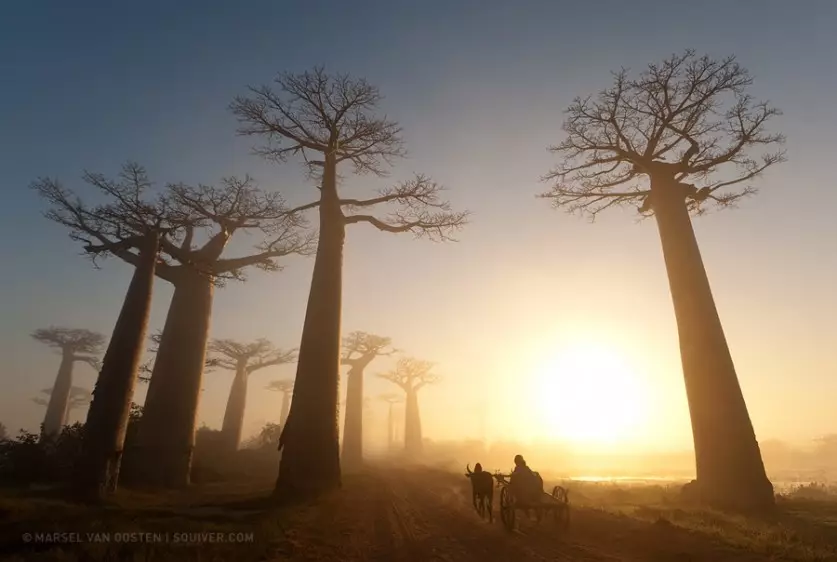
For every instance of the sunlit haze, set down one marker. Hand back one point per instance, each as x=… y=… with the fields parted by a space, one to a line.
x=545 y=328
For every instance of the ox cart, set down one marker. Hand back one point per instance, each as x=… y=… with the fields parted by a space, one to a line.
x=557 y=503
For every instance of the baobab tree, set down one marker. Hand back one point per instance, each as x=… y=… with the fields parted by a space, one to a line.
x=78 y=398
x=330 y=121
x=147 y=366
x=206 y=218
x=679 y=137
x=412 y=375
x=391 y=400
x=359 y=350
x=244 y=360
x=74 y=345
x=133 y=218
x=167 y=432
x=286 y=387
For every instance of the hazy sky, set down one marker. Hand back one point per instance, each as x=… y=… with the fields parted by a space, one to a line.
x=479 y=88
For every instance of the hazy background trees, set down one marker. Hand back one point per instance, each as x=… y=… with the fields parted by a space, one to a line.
x=391 y=400
x=359 y=350
x=681 y=135
x=286 y=388
x=243 y=359
x=79 y=397
x=74 y=345
x=411 y=375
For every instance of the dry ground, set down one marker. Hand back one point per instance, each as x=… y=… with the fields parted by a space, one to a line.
x=400 y=515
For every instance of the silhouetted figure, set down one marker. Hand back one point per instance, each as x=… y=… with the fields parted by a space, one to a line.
x=526 y=485
x=482 y=490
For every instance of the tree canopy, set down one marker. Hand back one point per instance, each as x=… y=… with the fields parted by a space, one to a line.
x=690 y=115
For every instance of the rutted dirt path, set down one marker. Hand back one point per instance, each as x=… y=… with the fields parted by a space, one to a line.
x=411 y=515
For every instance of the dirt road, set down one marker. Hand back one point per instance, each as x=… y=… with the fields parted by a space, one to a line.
x=407 y=515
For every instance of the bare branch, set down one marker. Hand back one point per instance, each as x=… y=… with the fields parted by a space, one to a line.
x=118 y=227
x=78 y=398
x=685 y=118
x=411 y=374
x=360 y=348
x=238 y=204
x=315 y=111
x=391 y=398
x=71 y=340
x=281 y=385
x=232 y=355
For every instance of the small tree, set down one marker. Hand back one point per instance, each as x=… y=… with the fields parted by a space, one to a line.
x=330 y=120
x=244 y=359
x=73 y=345
x=286 y=387
x=412 y=375
x=79 y=397
x=359 y=349
x=4 y=435
x=391 y=400
x=680 y=136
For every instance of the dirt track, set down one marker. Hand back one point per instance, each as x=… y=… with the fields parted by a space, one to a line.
x=408 y=515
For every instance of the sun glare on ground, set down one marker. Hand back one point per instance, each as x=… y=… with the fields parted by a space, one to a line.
x=589 y=394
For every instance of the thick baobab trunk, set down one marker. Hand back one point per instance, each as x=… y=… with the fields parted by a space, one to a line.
x=353 y=422
x=286 y=408
x=107 y=418
x=59 y=398
x=310 y=439
x=167 y=430
x=412 y=425
x=234 y=414
x=730 y=471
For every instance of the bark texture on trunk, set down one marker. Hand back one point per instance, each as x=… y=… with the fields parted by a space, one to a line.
x=59 y=398
x=107 y=418
x=412 y=425
x=730 y=471
x=234 y=413
x=167 y=430
x=310 y=446
x=353 y=422
x=286 y=408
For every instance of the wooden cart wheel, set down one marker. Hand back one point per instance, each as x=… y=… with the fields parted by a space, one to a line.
x=507 y=509
x=562 y=512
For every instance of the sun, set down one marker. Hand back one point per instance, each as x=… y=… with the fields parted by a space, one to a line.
x=590 y=394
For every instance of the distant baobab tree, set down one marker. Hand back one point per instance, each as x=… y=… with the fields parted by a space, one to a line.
x=330 y=120
x=244 y=359
x=73 y=345
x=359 y=350
x=286 y=387
x=412 y=375
x=78 y=398
x=682 y=135
x=4 y=434
x=391 y=400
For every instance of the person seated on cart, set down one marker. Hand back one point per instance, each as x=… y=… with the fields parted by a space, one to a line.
x=526 y=485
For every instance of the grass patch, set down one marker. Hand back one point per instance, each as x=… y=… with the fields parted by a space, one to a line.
x=204 y=523
x=802 y=529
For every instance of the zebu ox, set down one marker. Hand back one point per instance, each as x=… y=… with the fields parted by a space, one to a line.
x=482 y=490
